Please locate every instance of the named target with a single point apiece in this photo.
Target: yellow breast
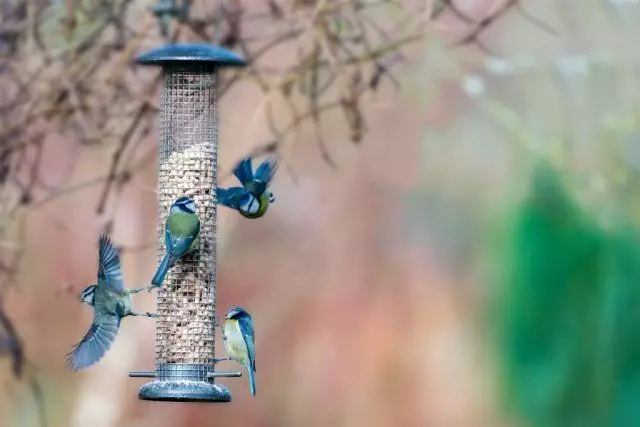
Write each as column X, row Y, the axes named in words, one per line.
column 234, row 343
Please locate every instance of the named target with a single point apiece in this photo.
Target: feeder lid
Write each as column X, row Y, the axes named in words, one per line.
column 185, row 53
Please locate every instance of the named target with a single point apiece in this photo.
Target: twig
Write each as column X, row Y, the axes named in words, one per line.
column 124, row 142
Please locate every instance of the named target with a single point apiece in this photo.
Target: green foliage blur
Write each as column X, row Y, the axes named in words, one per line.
column 567, row 311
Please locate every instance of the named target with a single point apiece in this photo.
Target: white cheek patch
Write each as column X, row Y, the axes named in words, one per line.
column 250, row 206
column 88, row 296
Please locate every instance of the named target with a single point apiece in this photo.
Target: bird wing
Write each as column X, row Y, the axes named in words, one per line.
column 231, row 197
column 109, row 267
column 244, row 171
column 263, row 176
column 180, row 232
column 266, row 169
column 246, row 328
column 95, row 343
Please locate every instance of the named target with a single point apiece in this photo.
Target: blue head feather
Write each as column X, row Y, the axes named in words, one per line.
column 236, row 312
column 249, row 204
column 184, row 205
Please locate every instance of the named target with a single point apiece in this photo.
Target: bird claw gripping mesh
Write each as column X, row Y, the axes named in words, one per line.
column 185, row 333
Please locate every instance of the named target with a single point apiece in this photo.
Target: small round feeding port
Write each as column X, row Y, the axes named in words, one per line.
column 185, row 334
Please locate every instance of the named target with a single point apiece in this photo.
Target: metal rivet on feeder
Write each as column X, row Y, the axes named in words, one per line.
column 185, row 334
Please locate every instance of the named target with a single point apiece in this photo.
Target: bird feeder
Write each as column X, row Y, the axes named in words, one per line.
column 186, row 302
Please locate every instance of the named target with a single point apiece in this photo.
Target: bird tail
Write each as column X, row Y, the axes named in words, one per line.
column 162, row 270
column 244, row 171
column 252, row 380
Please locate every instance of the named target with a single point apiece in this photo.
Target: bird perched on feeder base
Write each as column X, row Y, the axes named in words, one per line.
column 239, row 342
column 181, row 236
column 111, row 303
column 253, row 198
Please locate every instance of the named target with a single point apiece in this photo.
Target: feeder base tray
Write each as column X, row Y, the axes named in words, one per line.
column 184, row 391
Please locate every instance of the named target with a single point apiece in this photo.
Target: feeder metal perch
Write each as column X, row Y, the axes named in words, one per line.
column 185, row 334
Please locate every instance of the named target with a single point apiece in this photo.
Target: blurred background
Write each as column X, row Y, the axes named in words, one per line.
column 454, row 241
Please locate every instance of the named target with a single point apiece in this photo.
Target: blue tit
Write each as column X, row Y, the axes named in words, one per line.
column 239, row 341
column 111, row 302
column 181, row 236
column 253, row 198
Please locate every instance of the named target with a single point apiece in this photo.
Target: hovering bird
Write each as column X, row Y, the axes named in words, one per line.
column 239, row 341
column 111, row 302
column 253, row 198
column 181, row 236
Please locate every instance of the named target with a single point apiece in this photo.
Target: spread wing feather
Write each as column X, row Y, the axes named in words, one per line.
column 244, row 171
column 95, row 343
column 231, row 197
column 266, row 169
column 109, row 267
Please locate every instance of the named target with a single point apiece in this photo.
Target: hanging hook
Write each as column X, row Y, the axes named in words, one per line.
column 166, row 10
column 184, row 11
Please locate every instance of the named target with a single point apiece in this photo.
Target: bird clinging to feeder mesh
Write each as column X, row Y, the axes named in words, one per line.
column 111, row 302
column 181, row 235
column 253, row 198
column 239, row 342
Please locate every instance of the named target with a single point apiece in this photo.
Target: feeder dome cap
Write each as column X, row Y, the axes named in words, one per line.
column 185, row 53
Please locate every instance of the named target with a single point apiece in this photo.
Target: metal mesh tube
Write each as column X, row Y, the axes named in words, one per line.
column 188, row 163
column 185, row 331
